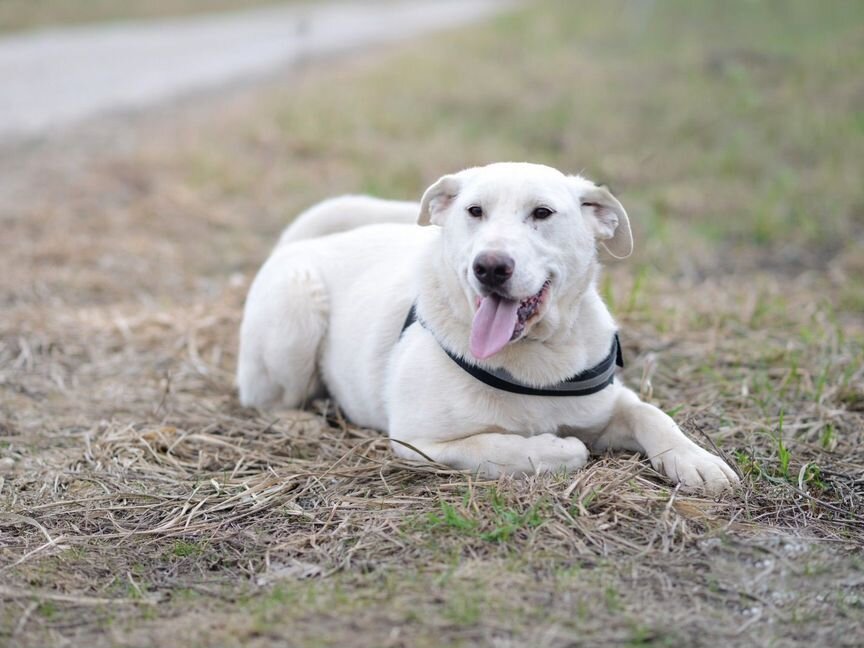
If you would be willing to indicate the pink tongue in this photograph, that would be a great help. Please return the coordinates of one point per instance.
(493, 326)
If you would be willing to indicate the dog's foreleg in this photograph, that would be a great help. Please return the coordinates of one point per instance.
(495, 453)
(638, 426)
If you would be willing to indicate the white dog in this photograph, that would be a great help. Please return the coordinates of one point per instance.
(507, 362)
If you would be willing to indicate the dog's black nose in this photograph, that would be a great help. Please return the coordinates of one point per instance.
(493, 268)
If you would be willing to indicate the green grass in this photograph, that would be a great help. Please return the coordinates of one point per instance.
(783, 454)
(184, 549)
(492, 519)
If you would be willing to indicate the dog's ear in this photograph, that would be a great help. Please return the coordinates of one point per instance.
(437, 198)
(607, 217)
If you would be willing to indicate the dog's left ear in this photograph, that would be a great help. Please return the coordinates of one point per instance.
(607, 217)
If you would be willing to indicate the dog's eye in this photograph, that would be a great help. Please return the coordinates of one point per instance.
(541, 212)
(476, 211)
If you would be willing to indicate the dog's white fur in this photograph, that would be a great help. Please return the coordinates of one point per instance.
(327, 308)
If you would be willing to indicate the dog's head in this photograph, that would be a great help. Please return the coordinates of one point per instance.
(521, 238)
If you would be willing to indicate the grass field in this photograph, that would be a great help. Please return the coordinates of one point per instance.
(141, 505)
(18, 15)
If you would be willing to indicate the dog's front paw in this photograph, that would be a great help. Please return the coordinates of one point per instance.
(695, 469)
(574, 454)
(551, 452)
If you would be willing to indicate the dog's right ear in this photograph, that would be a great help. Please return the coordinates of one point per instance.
(437, 198)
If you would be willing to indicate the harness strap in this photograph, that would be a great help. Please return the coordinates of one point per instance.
(584, 383)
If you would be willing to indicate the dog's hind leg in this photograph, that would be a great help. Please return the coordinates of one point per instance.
(284, 324)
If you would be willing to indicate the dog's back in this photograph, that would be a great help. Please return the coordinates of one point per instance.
(346, 213)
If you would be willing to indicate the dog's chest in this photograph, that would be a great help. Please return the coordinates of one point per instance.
(532, 415)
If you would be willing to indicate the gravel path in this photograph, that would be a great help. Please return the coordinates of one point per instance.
(53, 78)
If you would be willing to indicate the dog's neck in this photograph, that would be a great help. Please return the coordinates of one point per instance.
(574, 334)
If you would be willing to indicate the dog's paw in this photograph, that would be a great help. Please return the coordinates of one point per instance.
(695, 469)
(551, 453)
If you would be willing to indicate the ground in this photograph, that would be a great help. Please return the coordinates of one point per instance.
(141, 505)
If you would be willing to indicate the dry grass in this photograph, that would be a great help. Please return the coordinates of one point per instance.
(142, 505)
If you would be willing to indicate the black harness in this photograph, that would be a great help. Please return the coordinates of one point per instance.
(584, 383)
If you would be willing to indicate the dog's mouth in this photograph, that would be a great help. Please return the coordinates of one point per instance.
(500, 320)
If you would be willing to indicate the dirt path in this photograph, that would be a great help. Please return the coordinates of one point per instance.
(57, 77)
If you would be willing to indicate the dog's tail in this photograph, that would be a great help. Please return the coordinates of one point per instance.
(346, 213)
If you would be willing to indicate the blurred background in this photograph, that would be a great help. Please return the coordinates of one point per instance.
(732, 133)
(150, 153)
